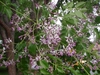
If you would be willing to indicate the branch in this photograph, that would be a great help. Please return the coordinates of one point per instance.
(3, 34)
(46, 1)
(7, 29)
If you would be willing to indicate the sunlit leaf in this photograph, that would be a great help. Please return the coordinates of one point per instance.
(80, 4)
(44, 64)
(70, 5)
(59, 68)
(79, 14)
(44, 71)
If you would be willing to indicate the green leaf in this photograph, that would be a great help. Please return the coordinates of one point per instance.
(2, 8)
(97, 33)
(97, 19)
(80, 4)
(21, 1)
(78, 72)
(83, 9)
(12, 4)
(85, 29)
(8, 12)
(45, 12)
(32, 49)
(44, 64)
(75, 21)
(72, 70)
(90, 48)
(64, 32)
(70, 4)
(51, 56)
(64, 23)
(20, 46)
(44, 71)
(58, 59)
(60, 69)
(84, 16)
(79, 14)
(72, 31)
(89, 7)
(68, 19)
(23, 64)
(54, 58)
(79, 47)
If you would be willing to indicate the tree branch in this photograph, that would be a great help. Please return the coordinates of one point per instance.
(3, 34)
(6, 28)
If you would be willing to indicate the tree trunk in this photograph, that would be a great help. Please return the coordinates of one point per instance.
(10, 56)
(10, 53)
(8, 34)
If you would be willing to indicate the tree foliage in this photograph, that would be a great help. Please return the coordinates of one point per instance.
(49, 38)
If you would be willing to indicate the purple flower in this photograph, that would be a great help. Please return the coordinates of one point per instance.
(32, 39)
(70, 52)
(52, 34)
(19, 29)
(94, 61)
(52, 5)
(38, 6)
(61, 52)
(11, 22)
(13, 29)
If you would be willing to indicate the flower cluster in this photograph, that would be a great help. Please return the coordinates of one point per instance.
(33, 62)
(52, 34)
(69, 50)
(17, 20)
(7, 63)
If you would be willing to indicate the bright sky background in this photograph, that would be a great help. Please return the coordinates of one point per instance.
(55, 1)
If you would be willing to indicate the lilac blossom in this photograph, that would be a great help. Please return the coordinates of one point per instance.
(94, 61)
(34, 65)
(19, 29)
(52, 5)
(31, 39)
(70, 52)
(38, 6)
(52, 34)
(7, 63)
(50, 69)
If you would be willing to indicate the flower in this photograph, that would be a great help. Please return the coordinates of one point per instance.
(51, 34)
(52, 5)
(38, 6)
(19, 29)
(70, 52)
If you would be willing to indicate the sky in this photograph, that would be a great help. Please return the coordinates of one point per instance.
(55, 1)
